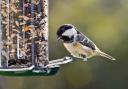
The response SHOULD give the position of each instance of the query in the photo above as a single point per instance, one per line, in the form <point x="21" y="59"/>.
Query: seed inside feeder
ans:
<point x="23" y="33"/>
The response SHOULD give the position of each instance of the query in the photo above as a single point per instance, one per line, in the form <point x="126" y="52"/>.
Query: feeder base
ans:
<point x="33" y="72"/>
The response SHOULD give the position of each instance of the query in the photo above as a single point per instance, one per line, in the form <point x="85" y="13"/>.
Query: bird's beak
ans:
<point x="58" y="38"/>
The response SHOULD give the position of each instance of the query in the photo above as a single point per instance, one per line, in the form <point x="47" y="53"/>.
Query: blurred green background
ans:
<point x="103" y="21"/>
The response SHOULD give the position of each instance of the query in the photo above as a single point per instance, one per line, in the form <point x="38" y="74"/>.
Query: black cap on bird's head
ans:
<point x="66" y="32"/>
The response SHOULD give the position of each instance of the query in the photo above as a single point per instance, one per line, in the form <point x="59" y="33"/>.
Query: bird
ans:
<point x="79" y="45"/>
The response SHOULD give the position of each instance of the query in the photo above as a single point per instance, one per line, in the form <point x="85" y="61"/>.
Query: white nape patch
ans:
<point x="69" y="32"/>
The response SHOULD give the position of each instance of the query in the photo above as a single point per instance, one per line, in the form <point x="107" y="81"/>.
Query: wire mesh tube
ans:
<point x="24" y="36"/>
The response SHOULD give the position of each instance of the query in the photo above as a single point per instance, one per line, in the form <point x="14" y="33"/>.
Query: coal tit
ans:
<point x="78" y="44"/>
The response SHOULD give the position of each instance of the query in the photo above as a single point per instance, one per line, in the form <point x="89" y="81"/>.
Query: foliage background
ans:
<point x="106" y="23"/>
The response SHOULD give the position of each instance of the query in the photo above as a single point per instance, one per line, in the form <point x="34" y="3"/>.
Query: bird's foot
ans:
<point x="83" y="57"/>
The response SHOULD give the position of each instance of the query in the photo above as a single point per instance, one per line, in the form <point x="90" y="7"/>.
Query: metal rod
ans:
<point x="0" y="37"/>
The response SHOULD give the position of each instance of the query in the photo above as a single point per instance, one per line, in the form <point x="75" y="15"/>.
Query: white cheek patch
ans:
<point x="69" y="32"/>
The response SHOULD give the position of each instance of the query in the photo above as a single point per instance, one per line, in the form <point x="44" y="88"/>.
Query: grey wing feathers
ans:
<point x="85" y="41"/>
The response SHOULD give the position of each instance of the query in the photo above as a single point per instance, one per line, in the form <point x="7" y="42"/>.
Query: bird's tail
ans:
<point x="105" y="55"/>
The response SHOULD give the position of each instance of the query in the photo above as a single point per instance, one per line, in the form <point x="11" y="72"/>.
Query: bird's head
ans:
<point x="66" y="32"/>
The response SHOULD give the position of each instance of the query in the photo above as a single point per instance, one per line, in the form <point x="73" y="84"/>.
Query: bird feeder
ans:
<point x="24" y="39"/>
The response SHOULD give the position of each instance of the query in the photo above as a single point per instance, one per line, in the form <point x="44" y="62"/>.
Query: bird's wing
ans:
<point x="81" y="38"/>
